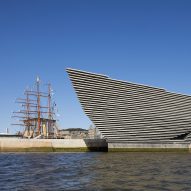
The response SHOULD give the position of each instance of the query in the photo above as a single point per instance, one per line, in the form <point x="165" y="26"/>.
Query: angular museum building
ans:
<point x="131" y="115"/>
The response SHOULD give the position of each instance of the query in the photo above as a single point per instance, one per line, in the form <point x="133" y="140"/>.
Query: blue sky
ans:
<point x="147" y="42"/>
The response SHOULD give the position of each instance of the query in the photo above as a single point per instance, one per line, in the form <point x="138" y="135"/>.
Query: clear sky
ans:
<point x="141" y="41"/>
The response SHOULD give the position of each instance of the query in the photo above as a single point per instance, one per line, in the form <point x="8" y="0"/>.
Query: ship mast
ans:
<point x="49" y="107"/>
<point x="38" y="103"/>
<point x="37" y="119"/>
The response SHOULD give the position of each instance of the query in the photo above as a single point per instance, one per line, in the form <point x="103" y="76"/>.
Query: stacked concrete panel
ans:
<point x="127" y="112"/>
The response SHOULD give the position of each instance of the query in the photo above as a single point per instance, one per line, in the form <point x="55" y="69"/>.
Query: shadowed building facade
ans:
<point x="133" y="115"/>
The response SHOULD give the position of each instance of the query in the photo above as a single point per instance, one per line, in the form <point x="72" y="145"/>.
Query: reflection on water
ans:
<point x="95" y="171"/>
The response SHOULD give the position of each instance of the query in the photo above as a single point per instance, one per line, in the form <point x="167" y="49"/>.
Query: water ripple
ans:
<point x="95" y="171"/>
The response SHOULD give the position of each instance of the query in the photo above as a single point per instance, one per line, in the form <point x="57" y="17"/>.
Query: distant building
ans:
<point x="94" y="133"/>
<point x="79" y="133"/>
<point x="73" y="133"/>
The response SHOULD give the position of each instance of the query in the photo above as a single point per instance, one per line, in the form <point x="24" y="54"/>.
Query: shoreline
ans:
<point x="85" y="145"/>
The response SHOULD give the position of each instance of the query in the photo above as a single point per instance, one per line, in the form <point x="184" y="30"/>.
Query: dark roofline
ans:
<point x="74" y="129"/>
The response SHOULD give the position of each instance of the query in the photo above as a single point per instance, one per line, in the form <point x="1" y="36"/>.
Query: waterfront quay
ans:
<point x="51" y="145"/>
<point x="85" y="145"/>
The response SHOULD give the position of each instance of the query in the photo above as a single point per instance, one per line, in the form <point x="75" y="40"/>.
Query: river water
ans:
<point x="95" y="171"/>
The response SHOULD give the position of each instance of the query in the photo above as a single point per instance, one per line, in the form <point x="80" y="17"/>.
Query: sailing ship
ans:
<point x="38" y="113"/>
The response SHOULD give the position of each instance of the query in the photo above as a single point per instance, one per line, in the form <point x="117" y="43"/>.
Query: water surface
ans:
<point x="95" y="171"/>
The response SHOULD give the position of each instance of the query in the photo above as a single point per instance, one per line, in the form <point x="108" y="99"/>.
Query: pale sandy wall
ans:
<point x="23" y="143"/>
<point x="15" y="143"/>
<point x="68" y="143"/>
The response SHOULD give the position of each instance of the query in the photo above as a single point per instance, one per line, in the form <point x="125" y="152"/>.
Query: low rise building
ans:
<point x="73" y="133"/>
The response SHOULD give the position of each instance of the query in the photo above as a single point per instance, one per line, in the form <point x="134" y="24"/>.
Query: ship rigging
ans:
<point x="38" y="113"/>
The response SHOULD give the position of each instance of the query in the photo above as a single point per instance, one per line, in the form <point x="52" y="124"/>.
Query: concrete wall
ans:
<point x="49" y="145"/>
<point x="148" y="147"/>
<point x="62" y="145"/>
